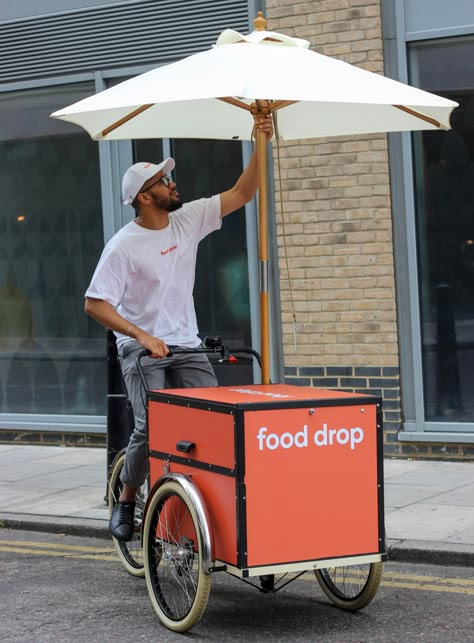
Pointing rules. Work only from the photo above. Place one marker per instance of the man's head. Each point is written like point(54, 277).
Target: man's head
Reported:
point(150, 180)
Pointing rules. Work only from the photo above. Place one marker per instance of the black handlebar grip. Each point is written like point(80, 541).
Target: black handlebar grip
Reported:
point(146, 353)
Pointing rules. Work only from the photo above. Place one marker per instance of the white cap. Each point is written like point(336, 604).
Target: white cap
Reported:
point(135, 177)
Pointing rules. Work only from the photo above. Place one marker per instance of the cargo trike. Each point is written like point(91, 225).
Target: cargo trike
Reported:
point(263, 482)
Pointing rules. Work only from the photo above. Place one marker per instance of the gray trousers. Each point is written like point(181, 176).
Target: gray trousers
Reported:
point(180, 371)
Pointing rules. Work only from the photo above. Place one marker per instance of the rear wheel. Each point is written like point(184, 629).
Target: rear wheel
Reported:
point(177, 583)
point(130, 553)
point(352, 587)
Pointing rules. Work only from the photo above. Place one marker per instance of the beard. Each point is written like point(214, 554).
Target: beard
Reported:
point(175, 205)
point(166, 203)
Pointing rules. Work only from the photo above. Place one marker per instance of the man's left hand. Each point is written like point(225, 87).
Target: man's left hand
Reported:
point(264, 124)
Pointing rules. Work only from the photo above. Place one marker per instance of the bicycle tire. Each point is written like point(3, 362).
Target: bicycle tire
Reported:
point(177, 584)
point(353, 587)
point(130, 553)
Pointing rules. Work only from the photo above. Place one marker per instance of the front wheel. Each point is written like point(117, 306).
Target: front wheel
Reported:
point(130, 553)
point(352, 587)
point(177, 583)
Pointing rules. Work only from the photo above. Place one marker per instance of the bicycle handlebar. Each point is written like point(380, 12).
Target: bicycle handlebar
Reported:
point(220, 349)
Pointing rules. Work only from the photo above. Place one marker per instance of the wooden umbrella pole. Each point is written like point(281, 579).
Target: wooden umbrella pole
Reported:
point(261, 107)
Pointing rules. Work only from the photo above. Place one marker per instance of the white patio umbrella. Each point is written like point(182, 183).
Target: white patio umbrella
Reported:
point(212, 94)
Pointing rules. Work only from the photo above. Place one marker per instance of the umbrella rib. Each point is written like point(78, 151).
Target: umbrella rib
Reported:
point(279, 104)
point(412, 112)
point(235, 102)
point(125, 119)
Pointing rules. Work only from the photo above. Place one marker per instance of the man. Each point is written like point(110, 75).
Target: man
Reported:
point(142, 289)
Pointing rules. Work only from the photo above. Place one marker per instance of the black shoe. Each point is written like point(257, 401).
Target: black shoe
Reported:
point(121, 521)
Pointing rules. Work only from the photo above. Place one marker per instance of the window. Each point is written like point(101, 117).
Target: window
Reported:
point(51, 235)
point(444, 189)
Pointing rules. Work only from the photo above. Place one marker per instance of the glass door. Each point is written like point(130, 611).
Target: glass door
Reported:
point(444, 189)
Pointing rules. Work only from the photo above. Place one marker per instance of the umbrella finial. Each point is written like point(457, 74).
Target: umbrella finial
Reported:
point(260, 23)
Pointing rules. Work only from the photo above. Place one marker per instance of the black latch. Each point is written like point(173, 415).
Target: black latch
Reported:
point(185, 447)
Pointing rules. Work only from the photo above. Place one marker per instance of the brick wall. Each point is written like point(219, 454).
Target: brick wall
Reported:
point(338, 228)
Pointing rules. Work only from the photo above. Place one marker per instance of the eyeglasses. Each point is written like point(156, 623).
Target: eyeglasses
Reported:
point(166, 180)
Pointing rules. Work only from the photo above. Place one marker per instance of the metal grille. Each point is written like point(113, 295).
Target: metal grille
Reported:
point(120, 35)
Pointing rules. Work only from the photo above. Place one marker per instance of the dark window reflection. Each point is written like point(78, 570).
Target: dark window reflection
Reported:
point(444, 184)
point(51, 235)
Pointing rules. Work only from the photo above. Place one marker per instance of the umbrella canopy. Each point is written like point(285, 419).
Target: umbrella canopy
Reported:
point(263, 72)
point(321, 96)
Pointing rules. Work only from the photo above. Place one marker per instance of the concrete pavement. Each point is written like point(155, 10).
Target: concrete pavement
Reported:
point(429, 505)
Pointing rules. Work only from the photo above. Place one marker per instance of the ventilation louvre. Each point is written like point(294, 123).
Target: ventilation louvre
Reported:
point(122, 35)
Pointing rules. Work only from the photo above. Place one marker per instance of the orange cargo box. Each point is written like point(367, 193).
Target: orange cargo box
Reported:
point(292, 477)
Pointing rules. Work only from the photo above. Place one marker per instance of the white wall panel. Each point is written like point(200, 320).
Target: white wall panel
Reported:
point(120, 35)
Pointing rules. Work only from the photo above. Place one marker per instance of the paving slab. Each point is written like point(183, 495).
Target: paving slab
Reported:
point(62, 503)
point(423, 521)
point(462, 496)
point(398, 495)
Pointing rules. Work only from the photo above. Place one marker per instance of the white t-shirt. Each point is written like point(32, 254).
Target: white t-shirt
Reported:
point(148, 275)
